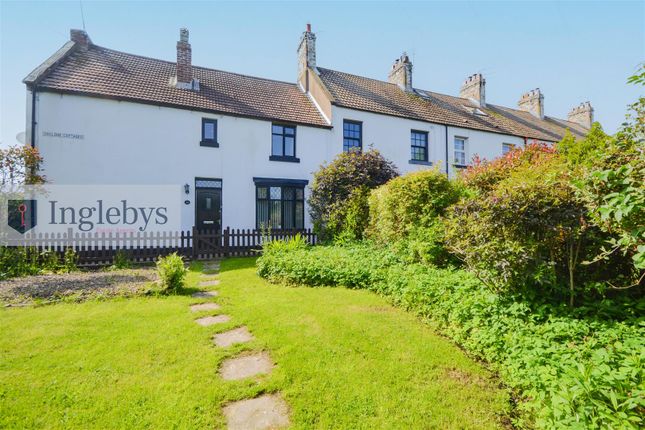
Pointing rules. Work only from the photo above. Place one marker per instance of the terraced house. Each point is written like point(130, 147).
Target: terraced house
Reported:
point(245, 147)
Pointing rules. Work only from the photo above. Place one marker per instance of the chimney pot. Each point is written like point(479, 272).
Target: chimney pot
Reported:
point(582, 115)
point(532, 102)
point(308, 28)
point(306, 56)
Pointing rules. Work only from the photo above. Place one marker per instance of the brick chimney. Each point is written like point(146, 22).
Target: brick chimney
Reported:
point(401, 73)
point(582, 114)
point(184, 79)
point(80, 37)
point(306, 56)
point(474, 88)
point(532, 102)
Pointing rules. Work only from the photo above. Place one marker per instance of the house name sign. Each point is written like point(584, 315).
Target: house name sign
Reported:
point(61, 135)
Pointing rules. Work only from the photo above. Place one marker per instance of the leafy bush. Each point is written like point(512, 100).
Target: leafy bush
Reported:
point(26, 261)
point(407, 212)
point(171, 272)
point(572, 368)
point(524, 230)
point(120, 261)
point(70, 261)
point(335, 183)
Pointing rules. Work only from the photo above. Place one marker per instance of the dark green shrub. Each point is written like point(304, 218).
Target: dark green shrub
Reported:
point(406, 212)
point(121, 260)
point(49, 261)
point(70, 261)
point(333, 184)
point(570, 368)
point(171, 273)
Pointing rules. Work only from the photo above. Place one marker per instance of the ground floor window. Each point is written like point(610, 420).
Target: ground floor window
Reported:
point(280, 206)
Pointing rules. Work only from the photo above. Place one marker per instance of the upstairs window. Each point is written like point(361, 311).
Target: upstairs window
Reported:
point(419, 145)
point(209, 132)
point(283, 143)
point(507, 147)
point(460, 151)
point(352, 136)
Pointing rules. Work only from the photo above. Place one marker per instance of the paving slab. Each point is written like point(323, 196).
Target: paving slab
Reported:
point(204, 294)
point(246, 366)
point(210, 283)
point(217, 319)
point(204, 307)
point(265, 412)
point(231, 337)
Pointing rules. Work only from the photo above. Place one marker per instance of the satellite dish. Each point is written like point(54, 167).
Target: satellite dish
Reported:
point(20, 137)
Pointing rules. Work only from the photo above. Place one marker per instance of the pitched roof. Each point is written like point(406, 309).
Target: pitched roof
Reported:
point(357, 92)
point(103, 72)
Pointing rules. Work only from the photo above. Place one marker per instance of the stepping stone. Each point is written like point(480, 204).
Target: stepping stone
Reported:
point(246, 366)
point(204, 307)
point(265, 412)
point(210, 283)
point(217, 319)
point(204, 294)
point(231, 337)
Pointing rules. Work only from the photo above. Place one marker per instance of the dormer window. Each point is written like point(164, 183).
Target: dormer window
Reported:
point(209, 133)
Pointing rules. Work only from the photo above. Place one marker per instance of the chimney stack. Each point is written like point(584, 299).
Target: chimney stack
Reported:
point(306, 56)
point(184, 79)
point(474, 88)
point(582, 114)
point(533, 102)
point(80, 37)
point(401, 73)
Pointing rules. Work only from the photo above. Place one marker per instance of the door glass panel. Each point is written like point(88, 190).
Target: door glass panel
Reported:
point(208, 202)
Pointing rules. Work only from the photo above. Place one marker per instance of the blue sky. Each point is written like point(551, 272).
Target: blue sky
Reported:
point(573, 51)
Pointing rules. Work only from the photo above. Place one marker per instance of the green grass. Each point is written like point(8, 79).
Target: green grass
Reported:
point(345, 359)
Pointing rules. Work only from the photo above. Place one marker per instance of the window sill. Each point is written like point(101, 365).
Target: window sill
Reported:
point(459, 166)
point(284, 158)
point(209, 143)
point(423, 163)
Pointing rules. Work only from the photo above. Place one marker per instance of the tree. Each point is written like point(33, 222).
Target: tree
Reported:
point(335, 183)
point(20, 165)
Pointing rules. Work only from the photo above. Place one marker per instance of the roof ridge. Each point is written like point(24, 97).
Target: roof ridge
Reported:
point(195, 67)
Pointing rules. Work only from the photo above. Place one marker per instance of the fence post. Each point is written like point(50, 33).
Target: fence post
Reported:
point(227, 243)
point(194, 244)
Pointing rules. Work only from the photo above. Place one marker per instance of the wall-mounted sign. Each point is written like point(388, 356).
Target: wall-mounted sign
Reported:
point(61, 135)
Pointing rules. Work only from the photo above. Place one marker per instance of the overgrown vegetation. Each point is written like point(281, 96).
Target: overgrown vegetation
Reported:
point(24, 261)
point(171, 271)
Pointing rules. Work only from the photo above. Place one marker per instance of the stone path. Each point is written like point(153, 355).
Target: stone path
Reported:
point(268, 411)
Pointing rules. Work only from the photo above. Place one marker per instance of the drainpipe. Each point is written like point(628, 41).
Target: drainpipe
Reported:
point(447, 164)
point(525, 141)
point(33, 117)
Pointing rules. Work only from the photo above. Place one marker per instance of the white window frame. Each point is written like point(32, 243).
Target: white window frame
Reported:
point(458, 160)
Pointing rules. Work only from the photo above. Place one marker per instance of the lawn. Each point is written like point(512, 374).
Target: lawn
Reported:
point(344, 359)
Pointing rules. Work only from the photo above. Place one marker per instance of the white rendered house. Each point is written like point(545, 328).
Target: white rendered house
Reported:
point(244, 147)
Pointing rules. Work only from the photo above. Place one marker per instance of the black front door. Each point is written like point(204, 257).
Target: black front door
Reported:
point(208, 208)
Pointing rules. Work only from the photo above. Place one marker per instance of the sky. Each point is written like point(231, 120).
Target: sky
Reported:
point(573, 51)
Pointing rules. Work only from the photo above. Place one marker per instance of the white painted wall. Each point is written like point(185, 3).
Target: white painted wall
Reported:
point(129, 143)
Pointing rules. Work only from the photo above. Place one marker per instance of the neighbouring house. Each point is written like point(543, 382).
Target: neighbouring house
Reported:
point(244, 148)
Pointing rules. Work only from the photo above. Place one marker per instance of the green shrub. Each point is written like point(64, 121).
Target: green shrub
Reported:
point(171, 272)
point(121, 260)
point(407, 212)
point(70, 261)
point(571, 368)
point(335, 183)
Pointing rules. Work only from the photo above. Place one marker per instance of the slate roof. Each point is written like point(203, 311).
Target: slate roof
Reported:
point(357, 92)
point(104, 72)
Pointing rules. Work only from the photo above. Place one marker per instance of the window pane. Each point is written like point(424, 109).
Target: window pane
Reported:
point(459, 144)
point(263, 193)
point(276, 193)
point(507, 147)
point(300, 193)
point(276, 214)
point(289, 131)
point(209, 131)
point(289, 146)
point(300, 215)
point(276, 129)
point(288, 193)
point(276, 145)
point(288, 212)
point(263, 213)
